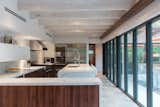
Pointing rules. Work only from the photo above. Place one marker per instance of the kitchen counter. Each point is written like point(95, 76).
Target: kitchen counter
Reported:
point(49, 64)
point(77, 70)
point(51, 89)
point(43, 64)
point(21, 73)
point(10, 82)
point(48, 81)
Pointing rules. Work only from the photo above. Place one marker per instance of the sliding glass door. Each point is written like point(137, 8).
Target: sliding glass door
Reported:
point(141, 60)
point(115, 62)
point(134, 62)
point(156, 62)
point(112, 55)
point(122, 62)
point(130, 63)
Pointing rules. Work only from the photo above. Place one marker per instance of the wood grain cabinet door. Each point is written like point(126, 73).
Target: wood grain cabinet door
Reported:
point(50, 96)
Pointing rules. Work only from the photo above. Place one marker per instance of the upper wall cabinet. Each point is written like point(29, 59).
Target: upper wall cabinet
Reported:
point(9, 52)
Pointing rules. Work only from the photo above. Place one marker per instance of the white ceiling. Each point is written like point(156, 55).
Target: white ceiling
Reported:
point(76, 17)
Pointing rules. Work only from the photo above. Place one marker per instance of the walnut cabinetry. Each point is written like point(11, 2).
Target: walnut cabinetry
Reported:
point(49, 96)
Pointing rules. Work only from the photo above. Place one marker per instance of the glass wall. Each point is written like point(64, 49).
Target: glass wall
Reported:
point(130, 62)
point(71, 53)
point(156, 62)
point(141, 60)
point(115, 62)
point(111, 60)
point(122, 62)
point(136, 80)
point(108, 62)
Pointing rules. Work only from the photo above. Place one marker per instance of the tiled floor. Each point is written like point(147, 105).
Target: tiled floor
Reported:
point(113, 97)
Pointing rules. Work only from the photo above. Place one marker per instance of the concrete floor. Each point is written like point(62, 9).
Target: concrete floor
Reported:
point(113, 97)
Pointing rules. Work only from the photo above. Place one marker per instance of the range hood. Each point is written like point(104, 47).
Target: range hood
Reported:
point(43, 45)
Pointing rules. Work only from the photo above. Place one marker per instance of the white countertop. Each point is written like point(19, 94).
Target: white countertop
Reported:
point(49, 81)
point(77, 70)
point(23, 72)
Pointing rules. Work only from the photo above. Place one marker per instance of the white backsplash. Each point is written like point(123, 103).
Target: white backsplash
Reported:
point(3, 67)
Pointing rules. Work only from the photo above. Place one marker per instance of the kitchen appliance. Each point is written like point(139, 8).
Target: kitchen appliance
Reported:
point(49, 60)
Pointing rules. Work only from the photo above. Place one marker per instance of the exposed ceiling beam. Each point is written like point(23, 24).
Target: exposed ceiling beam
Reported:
point(73, 5)
point(77, 30)
point(79, 18)
point(78, 34)
point(107, 14)
point(77, 26)
point(81, 34)
point(76, 17)
point(77, 22)
point(139, 6)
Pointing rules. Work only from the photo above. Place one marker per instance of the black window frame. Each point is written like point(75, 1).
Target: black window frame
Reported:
point(149, 61)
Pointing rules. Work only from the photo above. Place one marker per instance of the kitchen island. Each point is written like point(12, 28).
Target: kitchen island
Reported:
point(50, 92)
point(77, 70)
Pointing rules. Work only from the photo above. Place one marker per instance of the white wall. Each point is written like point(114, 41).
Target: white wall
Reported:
point(22, 63)
point(22, 42)
point(28, 30)
point(99, 57)
point(149, 12)
point(3, 67)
